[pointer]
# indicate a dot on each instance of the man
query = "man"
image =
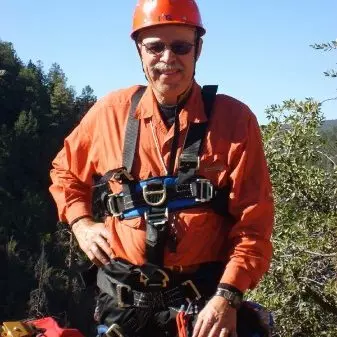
(188, 197)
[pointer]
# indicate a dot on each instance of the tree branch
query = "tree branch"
(326, 156)
(323, 302)
(310, 280)
(329, 99)
(320, 254)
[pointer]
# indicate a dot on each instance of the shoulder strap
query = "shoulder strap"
(100, 183)
(131, 133)
(129, 141)
(189, 159)
(208, 96)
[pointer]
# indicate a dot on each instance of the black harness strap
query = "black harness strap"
(189, 160)
(131, 133)
(157, 230)
(175, 140)
(130, 142)
(100, 187)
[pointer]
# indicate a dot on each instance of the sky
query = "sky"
(257, 51)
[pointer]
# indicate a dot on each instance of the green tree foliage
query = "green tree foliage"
(330, 140)
(10, 66)
(327, 47)
(301, 287)
(37, 111)
(85, 100)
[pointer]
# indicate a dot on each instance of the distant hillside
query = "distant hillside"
(329, 124)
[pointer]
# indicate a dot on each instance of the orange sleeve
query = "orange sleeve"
(73, 169)
(251, 204)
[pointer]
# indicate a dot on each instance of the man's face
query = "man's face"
(169, 72)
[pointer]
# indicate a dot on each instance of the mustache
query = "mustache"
(167, 67)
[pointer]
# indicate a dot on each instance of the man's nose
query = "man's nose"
(168, 55)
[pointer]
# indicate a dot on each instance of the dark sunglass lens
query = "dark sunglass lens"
(156, 47)
(181, 48)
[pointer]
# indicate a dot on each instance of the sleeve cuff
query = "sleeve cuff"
(78, 219)
(78, 210)
(238, 278)
(230, 288)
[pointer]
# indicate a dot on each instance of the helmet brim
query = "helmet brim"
(135, 33)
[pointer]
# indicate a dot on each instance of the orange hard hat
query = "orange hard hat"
(150, 13)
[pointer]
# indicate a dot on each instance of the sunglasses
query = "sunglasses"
(177, 47)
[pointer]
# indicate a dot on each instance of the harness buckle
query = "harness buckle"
(145, 280)
(119, 291)
(121, 174)
(112, 204)
(195, 290)
(188, 161)
(114, 331)
(205, 189)
(154, 193)
(156, 219)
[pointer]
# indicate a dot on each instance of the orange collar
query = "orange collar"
(193, 109)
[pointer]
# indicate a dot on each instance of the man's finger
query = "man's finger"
(224, 332)
(93, 259)
(99, 254)
(103, 244)
(215, 331)
(205, 328)
(105, 233)
(197, 327)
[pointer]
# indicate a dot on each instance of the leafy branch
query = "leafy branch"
(325, 46)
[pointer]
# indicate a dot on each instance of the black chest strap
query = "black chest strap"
(189, 160)
(129, 149)
(131, 133)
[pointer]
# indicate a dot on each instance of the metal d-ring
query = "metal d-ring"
(154, 197)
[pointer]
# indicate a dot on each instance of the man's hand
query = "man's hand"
(94, 238)
(217, 319)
